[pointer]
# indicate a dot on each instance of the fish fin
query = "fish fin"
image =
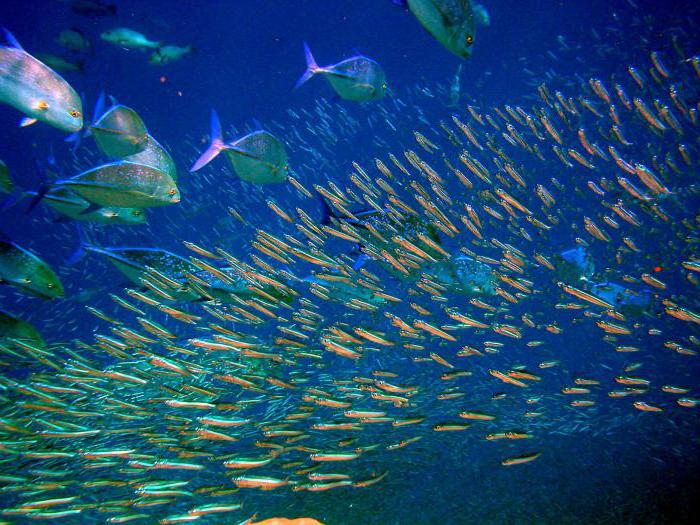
(27, 121)
(92, 207)
(82, 248)
(99, 107)
(311, 67)
(36, 199)
(216, 145)
(11, 39)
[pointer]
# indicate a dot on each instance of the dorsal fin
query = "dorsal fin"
(11, 39)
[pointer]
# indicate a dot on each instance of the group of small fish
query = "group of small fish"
(419, 305)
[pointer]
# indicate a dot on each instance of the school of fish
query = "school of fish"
(362, 309)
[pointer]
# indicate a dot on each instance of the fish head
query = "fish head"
(66, 115)
(461, 43)
(44, 283)
(63, 111)
(174, 194)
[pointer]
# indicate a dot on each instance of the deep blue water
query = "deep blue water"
(611, 464)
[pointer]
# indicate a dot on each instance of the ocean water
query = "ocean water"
(622, 449)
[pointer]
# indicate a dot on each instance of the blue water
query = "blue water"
(611, 464)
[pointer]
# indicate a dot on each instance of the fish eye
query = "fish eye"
(172, 192)
(470, 40)
(75, 113)
(384, 86)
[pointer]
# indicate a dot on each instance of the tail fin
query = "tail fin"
(311, 67)
(216, 145)
(42, 190)
(99, 107)
(81, 250)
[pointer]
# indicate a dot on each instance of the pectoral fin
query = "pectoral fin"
(27, 121)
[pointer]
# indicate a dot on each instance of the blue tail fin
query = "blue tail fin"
(81, 250)
(216, 145)
(311, 67)
(41, 191)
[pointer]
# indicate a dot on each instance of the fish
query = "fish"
(124, 185)
(72, 206)
(119, 132)
(93, 8)
(450, 22)
(12, 327)
(259, 157)
(129, 39)
(168, 54)
(155, 156)
(74, 40)
(61, 64)
(358, 78)
(27, 272)
(36, 90)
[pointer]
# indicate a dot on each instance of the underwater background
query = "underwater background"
(608, 463)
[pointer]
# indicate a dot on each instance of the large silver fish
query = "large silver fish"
(259, 157)
(119, 132)
(357, 78)
(124, 185)
(36, 90)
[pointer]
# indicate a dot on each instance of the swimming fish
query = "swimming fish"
(155, 156)
(93, 8)
(36, 90)
(21, 268)
(128, 38)
(167, 54)
(74, 40)
(124, 185)
(74, 207)
(357, 78)
(12, 327)
(60, 64)
(119, 131)
(451, 22)
(258, 157)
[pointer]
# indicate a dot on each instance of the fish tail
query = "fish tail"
(99, 107)
(82, 248)
(36, 199)
(311, 67)
(216, 145)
